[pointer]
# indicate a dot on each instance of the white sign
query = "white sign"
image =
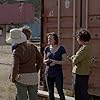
(51, 13)
(67, 3)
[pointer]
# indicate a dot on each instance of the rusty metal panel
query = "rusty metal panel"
(16, 13)
(94, 28)
(66, 26)
(50, 8)
(92, 16)
(94, 7)
(94, 13)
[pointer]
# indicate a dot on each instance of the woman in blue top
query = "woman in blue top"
(54, 57)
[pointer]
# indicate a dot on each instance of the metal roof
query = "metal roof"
(16, 13)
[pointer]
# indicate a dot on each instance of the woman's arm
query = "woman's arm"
(46, 59)
(80, 55)
(63, 61)
(15, 66)
(39, 60)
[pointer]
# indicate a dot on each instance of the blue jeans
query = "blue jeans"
(58, 80)
(25, 91)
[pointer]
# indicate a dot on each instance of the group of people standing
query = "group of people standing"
(27, 61)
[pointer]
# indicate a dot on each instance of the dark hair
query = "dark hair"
(84, 35)
(54, 36)
(27, 33)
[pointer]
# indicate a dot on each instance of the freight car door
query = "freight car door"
(69, 21)
(93, 25)
(84, 14)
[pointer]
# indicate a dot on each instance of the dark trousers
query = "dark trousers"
(81, 87)
(59, 85)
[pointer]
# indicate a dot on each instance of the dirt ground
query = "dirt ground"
(7, 89)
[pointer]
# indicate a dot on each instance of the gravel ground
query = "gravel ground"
(7, 89)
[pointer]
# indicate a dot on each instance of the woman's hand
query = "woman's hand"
(12, 80)
(53, 62)
(46, 61)
(69, 57)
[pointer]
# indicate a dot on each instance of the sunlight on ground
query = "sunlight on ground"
(7, 90)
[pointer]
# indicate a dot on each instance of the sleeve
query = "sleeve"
(80, 55)
(13, 46)
(15, 64)
(46, 50)
(63, 50)
(39, 60)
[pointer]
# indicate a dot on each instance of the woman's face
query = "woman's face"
(51, 40)
(79, 41)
